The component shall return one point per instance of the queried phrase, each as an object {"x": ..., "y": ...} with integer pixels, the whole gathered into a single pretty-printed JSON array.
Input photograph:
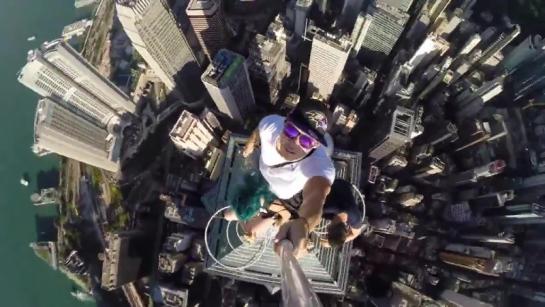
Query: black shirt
[{"x": 341, "y": 200}]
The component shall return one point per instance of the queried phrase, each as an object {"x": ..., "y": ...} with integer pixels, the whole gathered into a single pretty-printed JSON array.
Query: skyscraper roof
[{"x": 327, "y": 268}]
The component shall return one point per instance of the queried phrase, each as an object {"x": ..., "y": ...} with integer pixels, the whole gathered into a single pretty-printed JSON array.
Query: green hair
[{"x": 246, "y": 197}]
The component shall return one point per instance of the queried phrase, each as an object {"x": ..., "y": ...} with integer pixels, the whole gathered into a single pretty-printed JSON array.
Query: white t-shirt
[{"x": 288, "y": 180}]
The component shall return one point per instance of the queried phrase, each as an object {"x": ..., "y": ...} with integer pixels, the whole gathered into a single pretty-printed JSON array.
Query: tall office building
[
  {"x": 470, "y": 44},
  {"x": 174, "y": 296},
  {"x": 267, "y": 66},
  {"x": 471, "y": 101},
  {"x": 402, "y": 5},
  {"x": 154, "y": 33},
  {"x": 55, "y": 71},
  {"x": 61, "y": 131},
  {"x": 517, "y": 214},
  {"x": 381, "y": 29},
  {"x": 327, "y": 59},
  {"x": 127, "y": 258},
  {"x": 206, "y": 17},
  {"x": 431, "y": 47},
  {"x": 228, "y": 82},
  {"x": 349, "y": 12},
  {"x": 436, "y": 8},
  {"x": 70, "y": 62},
  {"x": 527, "y": 80},
  {"x": 532, "y": 46},
  {"x": 475, "y": 174},
  {"x": 171, "y": 262},
  {"x": 302, "y": 9},
  {"x": 398, "y": 134},
  {"x": 190, "y": 135},
  {"x": 503, "y": 40},
  {"x": 361, "y": 26},
  {"x": 448, "y": 25}
]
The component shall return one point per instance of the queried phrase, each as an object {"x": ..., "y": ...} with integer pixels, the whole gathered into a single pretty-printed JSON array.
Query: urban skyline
[{"x": 435, "y": 117}]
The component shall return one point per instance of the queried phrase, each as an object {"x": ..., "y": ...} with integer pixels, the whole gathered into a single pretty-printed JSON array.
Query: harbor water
[{"x": 26, "y": 280}]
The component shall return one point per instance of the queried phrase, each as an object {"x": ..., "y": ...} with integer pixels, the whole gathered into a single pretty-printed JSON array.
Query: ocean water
[{"x": 25, "y": 280}]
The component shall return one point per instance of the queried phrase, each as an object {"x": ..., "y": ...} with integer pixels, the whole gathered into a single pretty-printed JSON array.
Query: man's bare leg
[{"x": 258, "y": 225}]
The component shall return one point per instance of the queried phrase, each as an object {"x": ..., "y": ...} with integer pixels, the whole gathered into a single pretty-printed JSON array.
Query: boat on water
[
  {"x": 24, "y": 182},
  {"x": 82, "y": 296},
  {"x": 31, "y": 38}
]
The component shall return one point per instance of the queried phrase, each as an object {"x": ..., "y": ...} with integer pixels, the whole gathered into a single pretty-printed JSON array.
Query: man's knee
[{"x": 230, "y": 215}]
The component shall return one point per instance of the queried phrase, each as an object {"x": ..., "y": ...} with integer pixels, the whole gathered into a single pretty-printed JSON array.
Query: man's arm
[
  {"x": 253, "y": 142},
  {"x": 314, "y": 194},
  {"x": 310, "y": 213},
  {"x": 354, "y": 233}
]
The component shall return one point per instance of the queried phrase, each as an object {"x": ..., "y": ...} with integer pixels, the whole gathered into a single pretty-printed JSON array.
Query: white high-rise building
[
  {"x": 190, "y": 135},
  {"x": 379, "y": 29},
  {"x": 431, "y": 47},
  {"x": 228, "y": 83},
  {"x": 206, "y": 17},
  {"x": 450, "y": 24},
  {"x": 59, "y": 130},
  {"x": 327, "y": 59},
  {"x": 48, "y": 79},
  {"x": 154, "y": 33},
  {"x": 70, "y": 62},
  {"x": 403, "y": 5},
  {"x": 361, "y": 26},
  {"x": 471, "y": 43}
]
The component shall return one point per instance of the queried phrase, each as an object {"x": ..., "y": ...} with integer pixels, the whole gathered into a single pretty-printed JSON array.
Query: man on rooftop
[{"x": 294, "y": 162}]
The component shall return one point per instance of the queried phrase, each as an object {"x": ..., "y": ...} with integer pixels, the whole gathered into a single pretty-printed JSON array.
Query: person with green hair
[{"x": 294, "y": 163}]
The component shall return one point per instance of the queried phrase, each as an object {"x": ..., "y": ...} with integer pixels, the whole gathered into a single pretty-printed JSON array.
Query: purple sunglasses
[{"x": 305, "y": 141}]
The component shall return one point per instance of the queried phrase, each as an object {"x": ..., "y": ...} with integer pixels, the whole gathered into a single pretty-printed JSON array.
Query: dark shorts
[
  {"x": 340, "y": 199},
  {"x": 293, "y": 204}
]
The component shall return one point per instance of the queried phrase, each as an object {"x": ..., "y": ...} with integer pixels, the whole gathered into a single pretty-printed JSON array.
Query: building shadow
[
  {"x": 189, "y": 82},
  {"x": 46, "y": 229},
  {"x": 47, "y": 179},
  {"x": 371, "y": 58}
]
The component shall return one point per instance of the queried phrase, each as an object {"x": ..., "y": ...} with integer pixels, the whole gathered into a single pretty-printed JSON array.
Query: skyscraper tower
[
  {"x": 228, "y": 83},
  {"x": 126, "y": 259},
  {"x": 532, "y": 46},
  {"x": 61, "y": 131},
  {"x": 398, "y": 134},
  {"x": 327, "y": 59},
  {"x": 403, "y": 5},
  {"x": 207, "y": 19},
  {"x": 154, "y": 33},
  {"x": 268, "y": 66},
  {"x": 50, "y": 74},
  {"x": 190, "y": 135},
  {"x": 471, "y": 101},
  {"x": 70, "y": 62},
  {"x": 431, "y": 47},
  {"x": 302, "y": 8},
  {"x": 384, "y": 24},
  {"x": 350, "y": 11},
  {"x": 436, "y": 7},
  {"x": 503, "y": 40}
]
